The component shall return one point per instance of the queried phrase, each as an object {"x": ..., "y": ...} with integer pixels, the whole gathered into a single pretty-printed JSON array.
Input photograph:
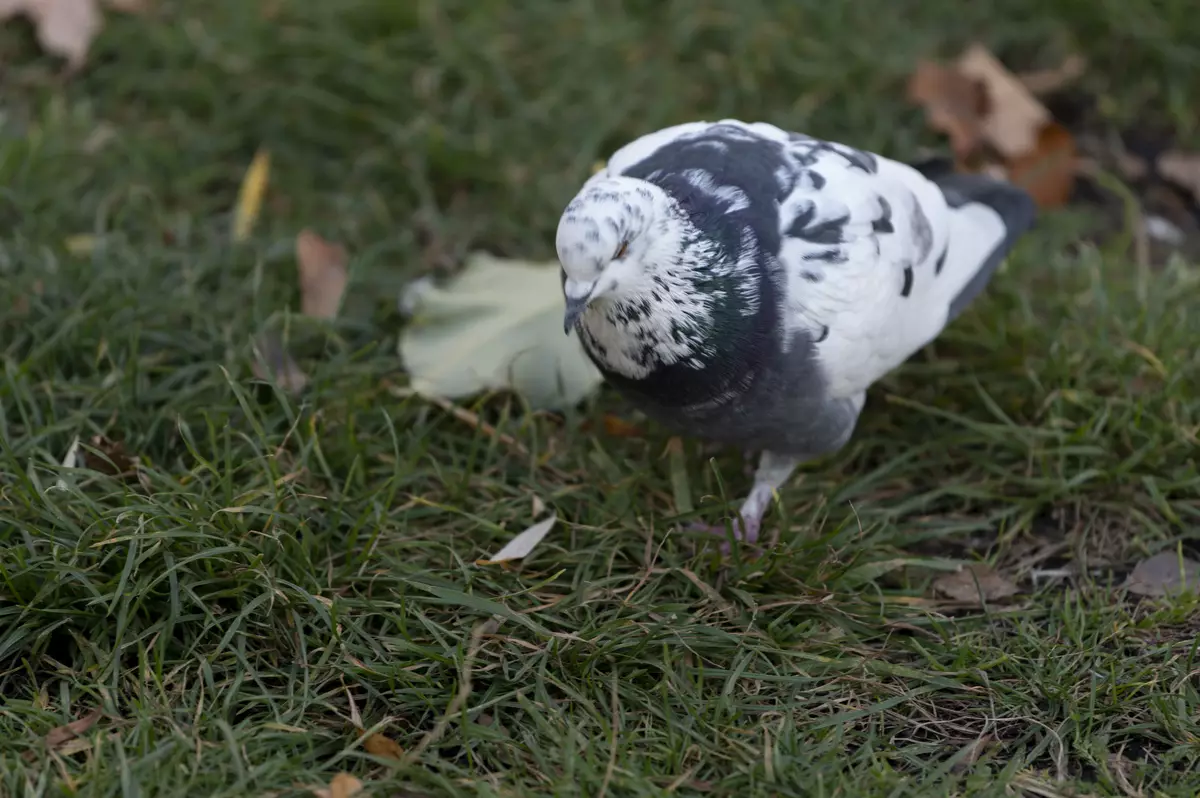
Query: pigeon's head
[{"x": 612, "y": 239}]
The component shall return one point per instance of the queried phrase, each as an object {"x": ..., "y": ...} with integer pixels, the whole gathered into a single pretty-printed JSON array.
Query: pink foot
[{"x": 746, "y": 534}]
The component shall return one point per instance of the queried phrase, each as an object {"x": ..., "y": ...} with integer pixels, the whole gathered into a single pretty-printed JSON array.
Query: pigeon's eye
[{"x": 622, "y": 251}]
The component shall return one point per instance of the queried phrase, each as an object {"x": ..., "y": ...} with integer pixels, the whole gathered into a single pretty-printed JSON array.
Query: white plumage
[{"x": 746, "y": 284}]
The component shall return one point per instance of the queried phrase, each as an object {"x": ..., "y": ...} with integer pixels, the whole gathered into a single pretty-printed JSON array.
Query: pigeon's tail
[{"x": 987, "y": 216}]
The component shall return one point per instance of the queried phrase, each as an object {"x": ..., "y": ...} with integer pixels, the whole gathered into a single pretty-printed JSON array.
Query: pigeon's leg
[{"x": 773, "y": 471}]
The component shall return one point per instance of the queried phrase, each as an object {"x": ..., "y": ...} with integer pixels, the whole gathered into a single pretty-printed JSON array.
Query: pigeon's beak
[{"x": 577, "y": 295}]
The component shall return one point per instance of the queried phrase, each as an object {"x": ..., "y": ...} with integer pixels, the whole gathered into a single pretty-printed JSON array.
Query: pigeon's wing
[
  {"x": 876, "y": 258},
  {"x": 872, "y": 257}
]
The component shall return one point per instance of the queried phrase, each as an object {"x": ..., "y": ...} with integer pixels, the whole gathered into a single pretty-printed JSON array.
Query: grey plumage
[{"x": 745, "y": 285}]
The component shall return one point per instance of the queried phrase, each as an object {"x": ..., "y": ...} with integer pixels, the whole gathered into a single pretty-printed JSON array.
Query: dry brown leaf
[
  {"x": 59, "y": 735},
  {"x": 1013, "y": 117},
  {"x": 1182, "y": 168},
  {"x": 1046, "y": 81},
  {"x": 64, "y": 27},
  {"x": 383, "y": 746},
  {"x": 616, "y": 426},
  {"x": 1048, "y": 171},
  {"x": 322, "y": 267},
  {"x": 619, "y": 428},
  {"x": 116, "y": 461},
  {"x": 1164, "y": 574},
  {"x": 273, "y": 363},
  {"x": 953, "y": 103},
  {"x": 974, "y": 583},
  {"x": 342, "y": 785}
]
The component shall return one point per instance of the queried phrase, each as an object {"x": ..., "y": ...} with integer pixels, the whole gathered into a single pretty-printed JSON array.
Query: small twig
[
  {"x": 487, "y": 627},
  {"x": 473, "y": 420}
]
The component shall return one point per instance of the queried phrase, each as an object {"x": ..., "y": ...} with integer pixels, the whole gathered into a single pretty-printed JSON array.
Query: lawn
[{"x": 290, "y": 566}]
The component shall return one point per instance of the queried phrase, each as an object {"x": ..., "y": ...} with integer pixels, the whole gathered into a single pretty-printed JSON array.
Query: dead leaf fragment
[
  {"x": 65, "y": 28},
  {"x": 1047, "y": 81},
  {"x": 1164, "y": 574},
  {"x": 620, "y": 428},
  {"x": 1183, "y": 169},
  {"x": 976, "y": 583},
  {"x": 524, "y": 543},
  {"x": 342, "y": 785},
  {"x": 1014, "y": 116},
  {"x": 273, "y": 363},
  {"x": 322, "y": 268},
  {"x": 973, "y": 751},
  {"x": 1048, "y": 171},
  {"x": 59, "y": 735},
  {"x": 954, "y": 104},
  {"x": 250, "y": 195},
  {"x": 615, "y": 426},
  {"x": 988, "y": 112},
  {"x": 383, "y": 746},
  {"x": 112, "y": 458}
]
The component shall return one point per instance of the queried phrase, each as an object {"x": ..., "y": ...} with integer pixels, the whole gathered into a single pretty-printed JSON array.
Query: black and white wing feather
[{"x": 872, "y": 257}]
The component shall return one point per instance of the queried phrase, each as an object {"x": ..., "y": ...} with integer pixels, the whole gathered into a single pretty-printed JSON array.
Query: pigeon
[{"x": 744, "y": 285}]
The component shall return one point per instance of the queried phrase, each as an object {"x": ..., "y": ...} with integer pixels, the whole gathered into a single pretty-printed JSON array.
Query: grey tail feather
[{"x": 1014, "y": 205}]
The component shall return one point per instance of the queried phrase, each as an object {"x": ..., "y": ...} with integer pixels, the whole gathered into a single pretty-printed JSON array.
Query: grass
[{"x": 289, "y": 564}]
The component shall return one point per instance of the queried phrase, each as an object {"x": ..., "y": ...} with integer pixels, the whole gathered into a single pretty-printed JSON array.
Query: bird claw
[{"x": 745, "y": 533}]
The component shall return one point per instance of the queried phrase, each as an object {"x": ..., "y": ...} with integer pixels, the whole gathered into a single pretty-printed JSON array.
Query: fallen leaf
[
  {"x": 64, "y": 28},
  {"x": 342, "y": 785},
  {"x": 383, "y": 746},
  {"x": 355, "y": 717},
  {"x": 1183, "y": 169},
  {"x": 497, "y": 325},
  {"x": 415, "y": 293},
  {"x": 80, "y": 245},
  {"x": 70, "y": 460},
  {"x": 975, "y": 582},
  {"x": 1048, "y": 171},
  {"x": 273, "y": 363},
  {"x": 1047, "y": 81},
  {"x": 972, "y": 752},
  {"x": 1163, "y": 230},
  {"x": 250, "y": 195},
  {"x": 322, "y": 268},
  {"x": 111, "y": 459},
  {"x": 59, "y": 735},
  {"x": 954, "y": 104},
  {"x": 620, "y": 428},
  {"x": 520, "y": 546},
  {"x": 1164, "y": 574},
  {"x": 1013, "y": 117}
]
